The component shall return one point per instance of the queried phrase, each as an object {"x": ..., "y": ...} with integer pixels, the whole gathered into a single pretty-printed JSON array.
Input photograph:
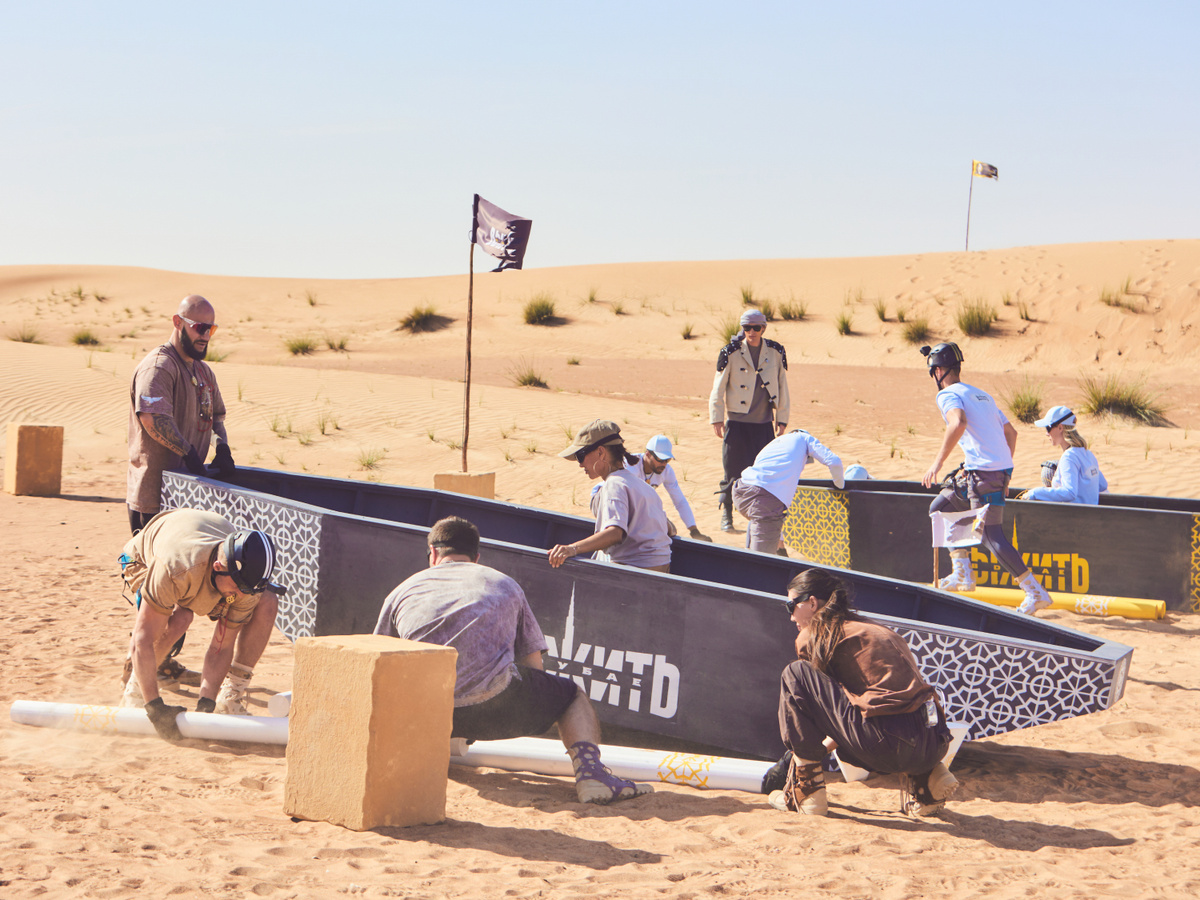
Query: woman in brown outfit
[{"x": 856, "y": 688}]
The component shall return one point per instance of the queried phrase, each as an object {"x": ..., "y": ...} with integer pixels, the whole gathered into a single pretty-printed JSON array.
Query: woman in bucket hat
[{"x": 631, "y": 527}]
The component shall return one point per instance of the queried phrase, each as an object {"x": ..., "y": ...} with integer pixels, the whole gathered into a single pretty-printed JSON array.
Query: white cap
[
  {"x": 1058, "y": 415},
  {"x": 857, "y": 473},
  {"x": 660, "y": 446}
]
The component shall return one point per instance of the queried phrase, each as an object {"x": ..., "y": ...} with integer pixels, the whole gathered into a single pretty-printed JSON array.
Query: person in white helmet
[
  {"x": 987, "y": 439},
  {"x": 1077, "y": 477}
]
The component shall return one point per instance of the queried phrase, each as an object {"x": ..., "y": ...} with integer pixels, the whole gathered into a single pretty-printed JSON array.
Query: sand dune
[{"x": 117, "y": 817}]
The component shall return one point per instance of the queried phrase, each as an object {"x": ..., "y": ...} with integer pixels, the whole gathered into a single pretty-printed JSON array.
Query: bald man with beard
[{"x": 175, "y": 409}]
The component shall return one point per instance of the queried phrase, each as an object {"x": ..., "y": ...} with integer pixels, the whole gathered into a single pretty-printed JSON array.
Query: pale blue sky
[{"x": 346, "y": 139}]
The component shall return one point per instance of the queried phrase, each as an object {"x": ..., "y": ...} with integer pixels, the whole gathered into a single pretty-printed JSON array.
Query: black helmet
[
  {"x": 250, "y": 558},
  {"x": 946, "y": 356}
]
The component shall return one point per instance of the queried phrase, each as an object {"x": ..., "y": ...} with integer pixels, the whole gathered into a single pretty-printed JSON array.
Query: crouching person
[
  {"x": 189, "y": 562},
  {"x": 500, "y": 689},
  {"x": 856, "y": 689}
]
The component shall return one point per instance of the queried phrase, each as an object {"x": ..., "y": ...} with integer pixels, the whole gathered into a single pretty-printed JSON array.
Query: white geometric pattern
[
  {"x": 1000, "y": 687},
  {"x": 296, "y": 534}
]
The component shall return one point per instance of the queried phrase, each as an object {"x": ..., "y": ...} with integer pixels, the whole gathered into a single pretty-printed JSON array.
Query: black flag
[{"x": 501, "y": 234}]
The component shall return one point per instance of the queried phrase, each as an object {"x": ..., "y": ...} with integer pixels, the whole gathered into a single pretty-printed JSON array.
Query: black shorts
[{"x": 528, "y": 706}]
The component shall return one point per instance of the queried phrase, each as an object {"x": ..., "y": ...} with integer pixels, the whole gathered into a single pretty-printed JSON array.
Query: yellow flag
[{"x": 983, "y": 170}]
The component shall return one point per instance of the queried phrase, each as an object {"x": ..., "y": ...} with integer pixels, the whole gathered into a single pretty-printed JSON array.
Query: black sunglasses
[
  {"x": 755, "y": 327},
  {"x": 791, "y": 603},
  {"x": 579, "y": 457}
]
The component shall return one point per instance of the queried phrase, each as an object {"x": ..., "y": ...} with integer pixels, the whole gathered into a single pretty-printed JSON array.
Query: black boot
[{"x": 726, "y": 504}]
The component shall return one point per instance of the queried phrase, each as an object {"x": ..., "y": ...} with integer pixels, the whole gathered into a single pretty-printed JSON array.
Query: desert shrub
[
  {"x": 524, "y": 374},
  {"x": 845, "y": 322},
  {"x": 539, "y": 310},
  {"x": 1118, "y": 300},
  {"x": 1025, "y": 401},
  {"x": 728, "y": 327},
  {"x": 975, "y": 317},
  {"x": 85, "y": 338},
  {"x": 1130, "y": 399},
  {"x": 916, "y": 331},
  {"x": 422, "y": 318},
  {"x": 26, "y": 334},
  {"x": 881, "y": 309},
  {"x": 300, "y": 346},
  {"x": 747, "y": 295},
  {"x": 793, "y": 310}
]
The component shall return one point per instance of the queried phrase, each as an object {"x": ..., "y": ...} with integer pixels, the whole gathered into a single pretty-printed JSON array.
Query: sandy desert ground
[{"x": 1102, "y": 805}]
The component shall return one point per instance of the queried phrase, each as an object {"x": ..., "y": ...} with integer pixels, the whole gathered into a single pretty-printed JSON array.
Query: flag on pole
[
  {"x": 983, "y": 170},
  {"x": 499, "y": 233},
  {"x": 962, "y": 529}
]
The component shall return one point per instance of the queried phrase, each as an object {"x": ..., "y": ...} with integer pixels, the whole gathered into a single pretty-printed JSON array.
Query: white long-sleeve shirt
[
  {"x": 779, "y": 465},
  {"x": 1077, "y": 479}
]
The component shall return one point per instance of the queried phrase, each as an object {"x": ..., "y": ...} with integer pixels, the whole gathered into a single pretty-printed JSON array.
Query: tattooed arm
[{"x": 164, "y": 430}]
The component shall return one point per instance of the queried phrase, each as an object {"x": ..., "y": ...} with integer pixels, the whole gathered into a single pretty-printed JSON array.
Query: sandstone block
[
  {"x": 369, "y": 731},
  {"x": 482, "y": 484},
  {"x": 33, "y": 459}
]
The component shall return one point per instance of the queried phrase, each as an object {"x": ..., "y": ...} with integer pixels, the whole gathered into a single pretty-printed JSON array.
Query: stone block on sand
[
  {"x": 33, "y": 459},
  {"x": 369, "y": 731},
  {"x": 482, "y": 484}
]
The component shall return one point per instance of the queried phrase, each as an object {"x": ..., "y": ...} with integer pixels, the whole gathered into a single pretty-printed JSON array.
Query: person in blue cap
[{"x": 1077, "y": 477}]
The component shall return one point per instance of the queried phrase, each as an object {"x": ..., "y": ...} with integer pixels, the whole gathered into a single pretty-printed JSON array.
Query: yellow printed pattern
[
  {"x": 96, "y": 718},
  {"x": 1194, "y": 592},
  {"x": 685, "y": 768},
  {"x": 818, "y": 526}
]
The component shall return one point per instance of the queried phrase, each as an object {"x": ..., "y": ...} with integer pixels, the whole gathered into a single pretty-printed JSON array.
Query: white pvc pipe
[
  {"x": 280, "y": 704},
  {"x": 118, "y": 720},
  {"x": 547, "y": 757}
]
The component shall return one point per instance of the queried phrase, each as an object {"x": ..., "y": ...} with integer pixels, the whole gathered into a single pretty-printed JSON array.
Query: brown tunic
[{"x": 877, "y": 670}]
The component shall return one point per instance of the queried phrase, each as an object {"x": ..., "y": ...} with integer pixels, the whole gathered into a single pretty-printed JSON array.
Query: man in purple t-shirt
[{"x": 500, "y": 689}]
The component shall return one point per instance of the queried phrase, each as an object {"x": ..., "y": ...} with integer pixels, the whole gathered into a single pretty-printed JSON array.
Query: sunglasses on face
[
  {"x": 792, "y": 603},
  {"x": 202, "y": 328},
  {"x": 755, "y": 327},
  {"x": 582, "y": 454}
]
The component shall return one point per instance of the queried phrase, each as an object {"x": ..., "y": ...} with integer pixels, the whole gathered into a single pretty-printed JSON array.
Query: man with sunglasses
[
  {"x": 749, "y": 391},
  {"x": 184, "y": 563},
  {"x": 175, "y": 409}
]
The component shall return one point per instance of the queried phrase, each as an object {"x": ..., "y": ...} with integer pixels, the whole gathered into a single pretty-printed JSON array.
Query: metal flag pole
[
  {"x": 467, "y": 374},
  {"x": 970, "y": 191}
]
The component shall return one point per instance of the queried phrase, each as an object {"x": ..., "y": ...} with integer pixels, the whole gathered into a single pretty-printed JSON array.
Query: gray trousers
[{"x": 765, "y": 512}]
